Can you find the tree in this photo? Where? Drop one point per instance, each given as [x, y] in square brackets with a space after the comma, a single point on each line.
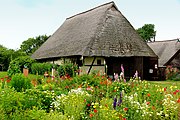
[147, 32]
[6, 55]
[32, 44]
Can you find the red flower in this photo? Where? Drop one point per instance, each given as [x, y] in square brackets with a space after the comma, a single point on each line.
[174, 93]
[90, 115]
[147, 103]
[165, 89]
[2, 79]
[95, 111]
[153, 108]
[125, 109]
[178, 101]
[124, 118]
[8, 80]
[109, 79]
[114, 90]
[67, 86]
[88, 88]
[6, 77]
[177, 91]
[148, 94]
[88, 105]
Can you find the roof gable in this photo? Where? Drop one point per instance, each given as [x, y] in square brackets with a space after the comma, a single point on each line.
[101, 31]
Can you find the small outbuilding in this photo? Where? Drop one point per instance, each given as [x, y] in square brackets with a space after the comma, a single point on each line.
[168, 52]
[100, 39]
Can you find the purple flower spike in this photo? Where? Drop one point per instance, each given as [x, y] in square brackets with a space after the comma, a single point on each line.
[114, 103]
[120, 99]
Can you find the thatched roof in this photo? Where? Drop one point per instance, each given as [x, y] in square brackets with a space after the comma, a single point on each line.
[101, 31]
[165, 50]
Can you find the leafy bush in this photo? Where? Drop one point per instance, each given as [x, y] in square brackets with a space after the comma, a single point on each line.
[20, 82]
[73, 104]
[67, 69]
[172, 73]
[10, 102]
[41, 68]
[17, 65]
[39, 99]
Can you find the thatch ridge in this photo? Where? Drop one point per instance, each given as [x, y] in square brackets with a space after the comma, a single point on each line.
[90, 9]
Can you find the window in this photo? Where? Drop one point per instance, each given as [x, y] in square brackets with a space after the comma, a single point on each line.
[98, 62]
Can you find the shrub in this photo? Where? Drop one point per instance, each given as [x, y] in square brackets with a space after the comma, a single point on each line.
[41, 68]
[10, 102]
[67, 69]
[20, 82]
[73, 104]
[172, 73]
[17, 65]
[39, 99]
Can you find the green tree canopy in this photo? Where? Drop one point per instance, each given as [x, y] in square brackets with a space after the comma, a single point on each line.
[32, 44]
[6, 55]
[147, 32]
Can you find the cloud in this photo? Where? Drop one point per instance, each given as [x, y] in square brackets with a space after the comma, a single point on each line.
[34, 3]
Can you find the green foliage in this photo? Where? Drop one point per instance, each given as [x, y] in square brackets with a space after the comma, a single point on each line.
[6, 55]
[20, 83]
[41, 68]
[172, 73]
[39, 99]
[32, 44]
[73, 104]
[147, 32]
[17, 65]
[10, 102]
[67, 69]
[91, 97]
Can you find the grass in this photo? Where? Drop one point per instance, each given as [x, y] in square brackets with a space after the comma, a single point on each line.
[30, 76]
[3, 74]
[166, 83]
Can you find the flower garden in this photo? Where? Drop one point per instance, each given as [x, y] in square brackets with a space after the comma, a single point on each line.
[86, 97]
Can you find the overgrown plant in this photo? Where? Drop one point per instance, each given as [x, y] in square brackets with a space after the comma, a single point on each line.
[41, 68]
[17, 65]
[67, 69]
[20, 83]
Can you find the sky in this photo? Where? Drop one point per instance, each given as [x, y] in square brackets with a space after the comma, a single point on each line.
[23, 19]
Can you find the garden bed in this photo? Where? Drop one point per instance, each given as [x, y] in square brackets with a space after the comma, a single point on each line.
[88, 97]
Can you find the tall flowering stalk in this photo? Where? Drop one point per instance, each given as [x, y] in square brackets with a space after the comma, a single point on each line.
[136, 75]
[122, 73]
[120, 99]
[116, 77]
[114, 103]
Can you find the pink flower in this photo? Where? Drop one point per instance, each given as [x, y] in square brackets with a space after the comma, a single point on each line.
[122, 68]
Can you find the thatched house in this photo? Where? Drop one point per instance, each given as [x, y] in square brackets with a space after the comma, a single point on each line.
[168, 52]
[100, 39]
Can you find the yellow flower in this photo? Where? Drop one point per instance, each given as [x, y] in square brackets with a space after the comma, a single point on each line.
[162, 89]
[94, 106]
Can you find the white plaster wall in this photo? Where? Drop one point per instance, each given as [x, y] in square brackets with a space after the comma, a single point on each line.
[85, 69]
[89, 60]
